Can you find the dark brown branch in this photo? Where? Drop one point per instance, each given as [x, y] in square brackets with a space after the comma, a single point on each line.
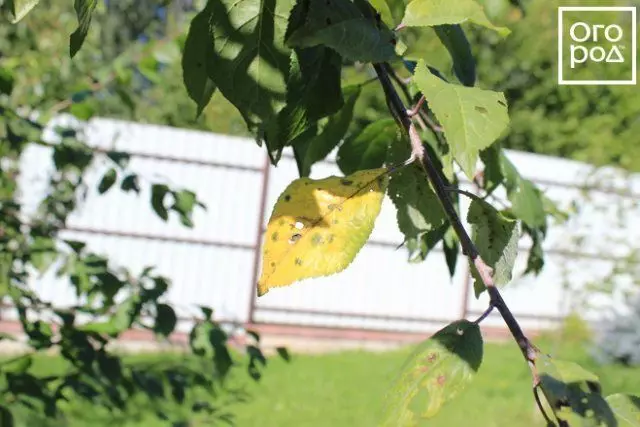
[468, 248]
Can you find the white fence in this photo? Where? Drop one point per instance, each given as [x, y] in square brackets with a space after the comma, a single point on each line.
[213, 263]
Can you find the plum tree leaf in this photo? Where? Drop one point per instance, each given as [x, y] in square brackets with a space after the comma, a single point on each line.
[418, 211]
[496, 238]
[313, 92]
[384, 10]
[20, 8]
[626, 409]
[197, 60]
[454, 39]
[340, 25]
[251, 62]
[438, 370]
[428, 13]
[526, 199]
[573, 393]
[368, 149]
[332, 132]
[318, 226]
[84, 10]
[472, 118]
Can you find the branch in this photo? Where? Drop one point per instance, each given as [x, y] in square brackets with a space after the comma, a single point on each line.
[468, 248]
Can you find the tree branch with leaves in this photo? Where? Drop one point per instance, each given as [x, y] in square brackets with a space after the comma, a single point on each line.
[288, 67]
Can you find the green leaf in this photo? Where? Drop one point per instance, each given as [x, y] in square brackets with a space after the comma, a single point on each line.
[418, 211]
[122, 319]
[472, 118]
[450, 249]
[313, 92]
[19, 9]
[626, 409]
[331, 134]
[283, 353]
[107, 181]
[454, 39]
[197, 60]
[130, 183]
[185, 201]
[6, 418]
[120, 158]
[439, 369]
[341, 26]
[384, 10]
[158, 193]
[526, 199]
[496, 238]
[251, 63]
[199, 339]
[166, 320]
[21, 364]
[40, 334]
[428, 13]
[84, 9]
[43, 253]
[573, 393]
[83, 110]
[6, 81]
[368, 149]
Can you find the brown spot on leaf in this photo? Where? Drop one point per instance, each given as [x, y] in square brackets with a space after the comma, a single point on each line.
[274, 236]
[480, 109]
[287, 197]
[316, 239]
[298, 261]
[441, 380]
[346, 182]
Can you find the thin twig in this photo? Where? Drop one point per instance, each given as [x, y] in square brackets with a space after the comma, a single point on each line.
[529, 352]
[416, 108]
[484, 315]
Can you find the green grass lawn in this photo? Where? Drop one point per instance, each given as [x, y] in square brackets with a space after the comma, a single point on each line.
[347, 390]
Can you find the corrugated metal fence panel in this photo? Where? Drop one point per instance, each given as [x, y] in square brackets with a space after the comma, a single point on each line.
[212, 264]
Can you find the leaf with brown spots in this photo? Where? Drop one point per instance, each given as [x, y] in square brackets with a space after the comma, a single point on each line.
[438, 370]
[318, 226]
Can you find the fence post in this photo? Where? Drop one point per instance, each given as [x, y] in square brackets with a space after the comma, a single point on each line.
[258, 241]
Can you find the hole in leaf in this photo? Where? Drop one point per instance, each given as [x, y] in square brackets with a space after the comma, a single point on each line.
[502, 103]
[287, 197]
[295, 238]
[299, 225]
[345, 182]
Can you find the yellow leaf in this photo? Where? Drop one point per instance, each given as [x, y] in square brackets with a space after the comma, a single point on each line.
[318, 226]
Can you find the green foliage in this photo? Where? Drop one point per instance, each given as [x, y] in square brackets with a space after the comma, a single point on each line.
[288, 68]
[626, 409]
[84, 10]
[423, 13]
[587, 123]
[496, 237]
[472, 118]
[438, 371]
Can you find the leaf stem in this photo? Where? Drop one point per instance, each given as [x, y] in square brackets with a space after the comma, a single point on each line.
[484, 315]
[416, 108]
[529, 352]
